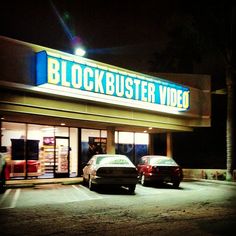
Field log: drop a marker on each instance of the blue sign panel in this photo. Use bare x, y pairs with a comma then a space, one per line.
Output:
89, 77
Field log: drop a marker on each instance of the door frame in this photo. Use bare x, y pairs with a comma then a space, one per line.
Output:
61, 174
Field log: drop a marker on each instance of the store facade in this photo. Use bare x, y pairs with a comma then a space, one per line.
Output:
57, 110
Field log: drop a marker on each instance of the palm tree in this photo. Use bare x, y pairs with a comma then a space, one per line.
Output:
198, 31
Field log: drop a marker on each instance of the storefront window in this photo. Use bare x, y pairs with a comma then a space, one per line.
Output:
141, 145
32, 152
14, 137
125, 144
133, 145
103, 141
62, 131
49, 151
40, 139
73, 152
92, 142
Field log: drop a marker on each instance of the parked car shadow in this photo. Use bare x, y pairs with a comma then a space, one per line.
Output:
163, 186
113, 190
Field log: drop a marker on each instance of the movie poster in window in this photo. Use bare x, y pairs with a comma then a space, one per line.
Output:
48, 141
97, 146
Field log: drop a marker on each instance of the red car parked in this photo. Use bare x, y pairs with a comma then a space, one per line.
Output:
159, 169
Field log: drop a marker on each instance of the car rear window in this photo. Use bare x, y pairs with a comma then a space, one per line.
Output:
162, 161
112, 160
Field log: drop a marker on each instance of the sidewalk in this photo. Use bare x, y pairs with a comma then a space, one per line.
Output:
24, 183
233, 183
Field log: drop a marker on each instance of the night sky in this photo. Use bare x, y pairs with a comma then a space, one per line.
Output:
125, 33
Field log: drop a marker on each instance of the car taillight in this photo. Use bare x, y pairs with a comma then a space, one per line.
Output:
155, 169
152, 169
178, 170
149, 168
93, 172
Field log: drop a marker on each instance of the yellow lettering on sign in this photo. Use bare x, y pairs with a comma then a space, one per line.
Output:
129, 90
76, 76
53, 71
162, 95
98, 79
110, 79
185, 99
179, 99
144, 91
88, 73
151, 92
64, 82
120, 86
137, 84
173, 99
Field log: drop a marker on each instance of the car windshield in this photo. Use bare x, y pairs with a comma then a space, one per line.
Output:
162, 161
112, 160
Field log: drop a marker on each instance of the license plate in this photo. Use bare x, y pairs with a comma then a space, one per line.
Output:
167, 179
118, 172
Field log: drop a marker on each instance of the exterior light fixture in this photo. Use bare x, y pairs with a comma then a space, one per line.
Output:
63, 124
80, 52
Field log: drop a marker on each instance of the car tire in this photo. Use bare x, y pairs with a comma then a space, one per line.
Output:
3, 181
84, 181
2, 187
143, 180
91, 185
132, 188
176, 184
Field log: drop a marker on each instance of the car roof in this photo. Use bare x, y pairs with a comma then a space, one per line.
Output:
156, 156
109, 155
112, 157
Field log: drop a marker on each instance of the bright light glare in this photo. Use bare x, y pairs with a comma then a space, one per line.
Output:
80, 52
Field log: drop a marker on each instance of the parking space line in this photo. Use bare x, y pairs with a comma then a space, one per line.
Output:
91, 196
146, 190
5, 195
14, 200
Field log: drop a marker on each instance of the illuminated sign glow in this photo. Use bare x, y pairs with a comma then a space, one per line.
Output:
88, 78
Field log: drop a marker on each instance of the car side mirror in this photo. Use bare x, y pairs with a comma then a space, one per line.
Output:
3, 149
85, 164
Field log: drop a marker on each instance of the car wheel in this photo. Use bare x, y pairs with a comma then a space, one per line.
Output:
90, 184
3, 182
143, 181
84, 181
176, 184
132, 189
2, 187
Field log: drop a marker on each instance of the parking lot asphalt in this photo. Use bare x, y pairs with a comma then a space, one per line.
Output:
24, 183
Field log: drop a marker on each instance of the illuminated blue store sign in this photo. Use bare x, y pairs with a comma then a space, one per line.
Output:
86, 77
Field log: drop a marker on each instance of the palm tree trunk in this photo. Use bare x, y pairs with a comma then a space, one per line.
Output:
230, 126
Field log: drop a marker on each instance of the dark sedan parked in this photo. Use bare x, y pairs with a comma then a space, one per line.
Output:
159, 169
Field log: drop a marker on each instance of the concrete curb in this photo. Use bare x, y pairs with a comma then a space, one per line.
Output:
233, 183
33, 183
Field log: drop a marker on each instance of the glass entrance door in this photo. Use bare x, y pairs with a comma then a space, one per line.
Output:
61, 157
